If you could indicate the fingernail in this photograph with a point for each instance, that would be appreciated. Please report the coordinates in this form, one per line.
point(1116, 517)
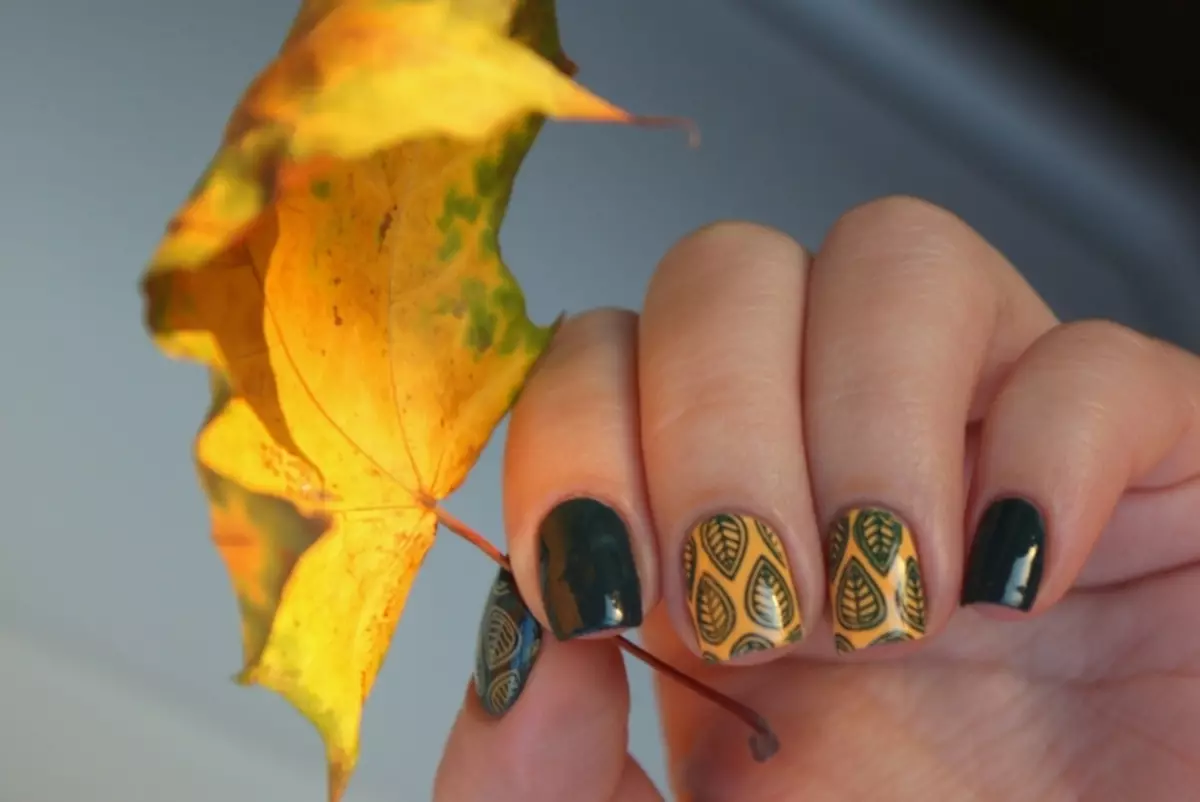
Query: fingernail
point(509, 641)
point(589, 579)
point(1005, 564)
point(875, 587)
point(740, 589)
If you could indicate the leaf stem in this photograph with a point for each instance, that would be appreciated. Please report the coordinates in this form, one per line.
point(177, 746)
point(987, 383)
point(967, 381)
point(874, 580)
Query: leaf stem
point(688, 125)
point(763, 743)
point(471, 536)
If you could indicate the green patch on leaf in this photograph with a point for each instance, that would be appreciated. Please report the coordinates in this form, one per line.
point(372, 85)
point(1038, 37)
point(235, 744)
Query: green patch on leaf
point(457, 206)
point(481, 320)
point(451, 245)
point(321, 189)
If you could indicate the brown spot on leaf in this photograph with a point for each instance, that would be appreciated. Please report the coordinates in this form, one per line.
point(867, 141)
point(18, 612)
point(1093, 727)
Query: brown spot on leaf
point(337, 317)
point(384, 225)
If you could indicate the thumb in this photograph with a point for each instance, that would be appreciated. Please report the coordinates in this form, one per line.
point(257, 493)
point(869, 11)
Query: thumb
point(542, 720)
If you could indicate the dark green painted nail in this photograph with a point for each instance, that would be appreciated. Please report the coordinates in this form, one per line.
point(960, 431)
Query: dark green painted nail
point(509, 641)
point(589, 580)
point(1005, 565)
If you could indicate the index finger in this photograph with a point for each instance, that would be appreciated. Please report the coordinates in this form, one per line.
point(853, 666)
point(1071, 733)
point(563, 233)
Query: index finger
point(542, 721)
point(579, 535)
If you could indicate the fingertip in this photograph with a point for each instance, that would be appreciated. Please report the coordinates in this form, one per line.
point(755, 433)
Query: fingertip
point(736, 235)
point(719, 379)
point(542, 721)
point(1088, 412)
point(580, 540)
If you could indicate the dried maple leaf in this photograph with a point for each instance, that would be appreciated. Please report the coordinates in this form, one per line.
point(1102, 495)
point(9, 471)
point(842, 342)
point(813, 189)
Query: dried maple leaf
point(337, 267)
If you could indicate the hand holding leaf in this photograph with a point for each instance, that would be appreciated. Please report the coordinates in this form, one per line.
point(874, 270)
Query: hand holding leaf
point(338, 270)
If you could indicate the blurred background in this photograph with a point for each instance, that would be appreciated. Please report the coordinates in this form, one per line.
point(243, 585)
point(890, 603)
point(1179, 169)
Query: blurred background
point(1065, 132)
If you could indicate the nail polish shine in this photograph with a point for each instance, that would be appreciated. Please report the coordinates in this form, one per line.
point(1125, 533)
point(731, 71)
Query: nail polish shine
point(588, 575)
point(1005, 564)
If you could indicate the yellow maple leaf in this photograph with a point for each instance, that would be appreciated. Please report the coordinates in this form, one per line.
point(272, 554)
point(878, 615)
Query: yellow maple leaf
point(337, 268)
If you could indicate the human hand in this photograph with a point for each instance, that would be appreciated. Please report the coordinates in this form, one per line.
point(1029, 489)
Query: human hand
point(991, 513)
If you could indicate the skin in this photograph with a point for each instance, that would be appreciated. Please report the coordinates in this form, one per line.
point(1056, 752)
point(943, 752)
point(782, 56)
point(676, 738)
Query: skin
point(906, 363)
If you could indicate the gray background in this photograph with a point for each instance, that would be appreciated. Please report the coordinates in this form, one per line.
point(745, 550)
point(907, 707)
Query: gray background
point(117, 629)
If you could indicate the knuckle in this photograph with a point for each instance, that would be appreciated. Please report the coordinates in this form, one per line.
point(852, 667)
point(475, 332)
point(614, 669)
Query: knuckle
point(737, 230)
point(908, 235)
point(730, 241)
point(1106, 338)
point(1098, 359)
point(904, 247)
point(596, 324)
point(589, 353)
point(893, 212)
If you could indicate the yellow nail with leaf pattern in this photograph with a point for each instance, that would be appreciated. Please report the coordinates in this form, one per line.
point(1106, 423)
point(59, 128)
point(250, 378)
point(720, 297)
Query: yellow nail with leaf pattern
point(875, 588)
point(739, 588)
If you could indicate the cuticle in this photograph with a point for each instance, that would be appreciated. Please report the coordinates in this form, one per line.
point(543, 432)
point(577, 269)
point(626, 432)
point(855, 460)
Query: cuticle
point(1011, 496)
point(858, 506)
point(733, 511)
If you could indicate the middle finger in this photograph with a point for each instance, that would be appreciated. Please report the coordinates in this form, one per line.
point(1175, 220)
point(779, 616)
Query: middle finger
point(719, 379)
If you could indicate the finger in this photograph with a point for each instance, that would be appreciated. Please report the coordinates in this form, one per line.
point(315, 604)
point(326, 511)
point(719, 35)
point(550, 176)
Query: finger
point(1090, 410)
point(719, 379)
point(579, 536)
point(913, 321)
point(541, 722)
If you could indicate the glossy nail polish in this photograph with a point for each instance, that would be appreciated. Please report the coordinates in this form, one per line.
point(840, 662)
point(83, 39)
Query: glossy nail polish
point(1005, 564)
point(875, 587)
point(589, 579)
point(507, 647)
point(739, 586)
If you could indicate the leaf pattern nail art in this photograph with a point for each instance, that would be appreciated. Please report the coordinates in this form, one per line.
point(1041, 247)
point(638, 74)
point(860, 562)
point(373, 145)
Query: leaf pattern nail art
point(740, 589)
point(859, 603)
point(724, 539)
point(875, 584)
point(715, 614)
point(689, 565)
point(771, 539)
point(501, 638)
point(769, 601)
point(507, 647)
point(750, 642)
point(839, 535)
point(911, 596)
point(878, 534)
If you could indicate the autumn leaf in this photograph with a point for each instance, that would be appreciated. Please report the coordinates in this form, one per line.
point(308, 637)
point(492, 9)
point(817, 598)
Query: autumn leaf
point(338, 270)
point(358, 75)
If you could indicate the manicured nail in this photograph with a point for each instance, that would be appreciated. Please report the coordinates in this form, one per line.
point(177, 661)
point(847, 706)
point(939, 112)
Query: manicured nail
point(875, 586)
point(1005, 565)
point(739, 588)
point(589, 580)
point(509, 641)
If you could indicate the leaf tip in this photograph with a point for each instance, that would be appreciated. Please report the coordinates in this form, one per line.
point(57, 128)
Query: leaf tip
point(247, 677)
point(339, 778)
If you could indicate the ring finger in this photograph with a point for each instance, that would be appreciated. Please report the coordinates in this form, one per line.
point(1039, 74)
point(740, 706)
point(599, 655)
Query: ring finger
point(913, 320)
